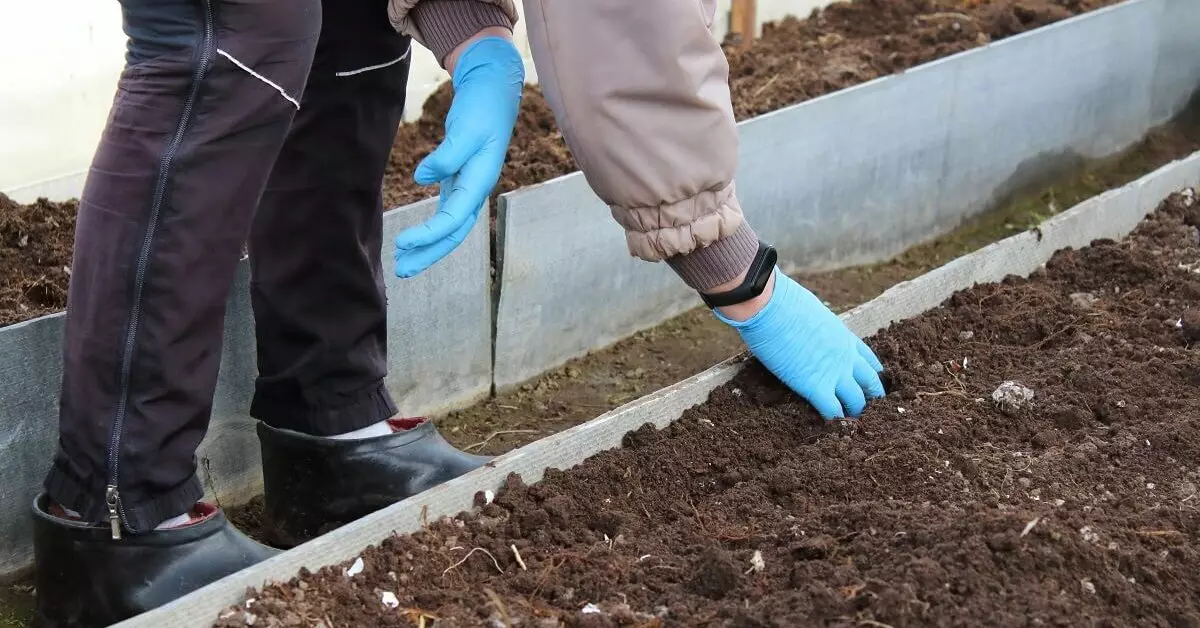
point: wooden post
(742, 18)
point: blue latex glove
(487, 83)
(809, 348)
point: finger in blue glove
(487, 92)
(812, 351)
(411, 261)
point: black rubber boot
(314, 484)
(86, 578)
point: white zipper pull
(114, 518)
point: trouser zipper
(112, 497)
(114, 518)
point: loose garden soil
(1075, 504)
(35, 258)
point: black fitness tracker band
(756, 280)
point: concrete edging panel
(1110, 215)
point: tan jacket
(640, 91)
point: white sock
(382, 428)
(173, 522)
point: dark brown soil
(836, 47)
(35, 258)
(940, 507)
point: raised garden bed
(957, 500)
(842, 45)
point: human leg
(318, 294)
(201, 109)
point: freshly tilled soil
(1076, 505)
(35, 258)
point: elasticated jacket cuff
(719, 262)
(444, 24)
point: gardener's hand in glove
(487, 76)
(807, 347)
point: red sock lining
(405, 424)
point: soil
(1073, 500)
(16, 605)
(35, 258)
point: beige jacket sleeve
(640, 89)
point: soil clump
(940, 507)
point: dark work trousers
(226, 107)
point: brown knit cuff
(719, 262)
(444, 24)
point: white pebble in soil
(1011, 397)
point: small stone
(1025, 482)
(1088, 587)
(813, 548)
(1010, 397)
(1084, 300)
(966, 335)
(1001, 542)
(757, 564)
(1190, 324)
